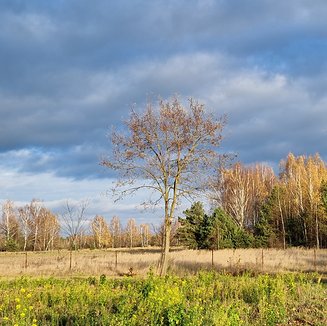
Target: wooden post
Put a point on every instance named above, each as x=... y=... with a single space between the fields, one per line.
x=262 y=259
x=315 y=258
x=25 y=265
x=212 y=263
x=116 y=259
x=70 y=259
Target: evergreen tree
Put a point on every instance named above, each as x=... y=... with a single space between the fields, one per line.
x=225 y=233
x=264 y=229
x=191 y=231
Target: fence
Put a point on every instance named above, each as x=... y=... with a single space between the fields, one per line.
x=140 y=260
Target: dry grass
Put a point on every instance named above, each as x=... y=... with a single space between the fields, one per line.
x=256 y=260
x=97 y=262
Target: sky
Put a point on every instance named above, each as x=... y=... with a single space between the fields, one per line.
x=71 y=69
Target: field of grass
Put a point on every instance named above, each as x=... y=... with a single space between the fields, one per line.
x=119 y=287
x=182 y=262
x=207 y=298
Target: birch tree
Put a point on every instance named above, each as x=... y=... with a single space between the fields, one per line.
x=101 y=232
x=116 y=232
x=9 y=224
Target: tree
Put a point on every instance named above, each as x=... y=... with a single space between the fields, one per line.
x=132 y=233
x=34 y=210
x=241 y=190
x=266 y=230
x=302 y=178
x=323 y=227
x=145 y=234
x=166 y=150
x=115 y=229
x=74 y=222
x=224 y=232
x=191 y=228
x=48 y=228
x=9 y=226
x=25 y=222
x=101 y=232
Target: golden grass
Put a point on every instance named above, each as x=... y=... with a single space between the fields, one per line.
x=97 y=262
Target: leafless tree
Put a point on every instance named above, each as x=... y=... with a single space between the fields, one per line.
x=74 y=222
x=167 y=150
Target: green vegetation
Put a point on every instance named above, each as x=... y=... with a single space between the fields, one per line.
x=216 y=231
x=205 y=299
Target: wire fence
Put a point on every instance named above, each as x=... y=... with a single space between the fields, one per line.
x=138 y=261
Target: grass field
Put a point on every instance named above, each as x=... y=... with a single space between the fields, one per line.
x=207 y=298
x=225 y=287
x=182 y=262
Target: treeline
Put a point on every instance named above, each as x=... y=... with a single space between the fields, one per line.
x=35 y=228
x=251 y=207
x=259 y=209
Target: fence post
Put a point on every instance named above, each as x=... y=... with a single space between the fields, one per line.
x=212 y=262
x=262 y=260
x=70 y=259
x=315 y=259
x=116 y=259
x=25 y=264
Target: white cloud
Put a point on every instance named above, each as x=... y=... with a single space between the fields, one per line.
x=55 y=191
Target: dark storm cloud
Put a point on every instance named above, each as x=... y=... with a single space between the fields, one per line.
x=71 y=69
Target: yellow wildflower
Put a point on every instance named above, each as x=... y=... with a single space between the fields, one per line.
x=18 y=306
x=22 y=314
x=22 y=290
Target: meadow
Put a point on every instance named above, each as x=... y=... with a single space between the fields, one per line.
x=207 y=298
x=116 y=262
x=120 y=287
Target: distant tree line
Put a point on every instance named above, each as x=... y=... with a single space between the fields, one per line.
x=35 y=228
x=255 y=208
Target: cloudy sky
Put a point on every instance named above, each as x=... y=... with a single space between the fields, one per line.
x=70 y=69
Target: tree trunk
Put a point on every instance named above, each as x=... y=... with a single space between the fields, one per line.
x=305 y=233
x=317 y=232
x=282 y=221
x=25 y=244
x=165 y=247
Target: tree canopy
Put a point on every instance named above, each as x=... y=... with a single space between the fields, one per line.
x=167 y=149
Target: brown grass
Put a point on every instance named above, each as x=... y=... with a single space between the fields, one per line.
x=97 y=262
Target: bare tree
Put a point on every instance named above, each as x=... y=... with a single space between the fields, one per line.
x=168 y=151
x=74 y=222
